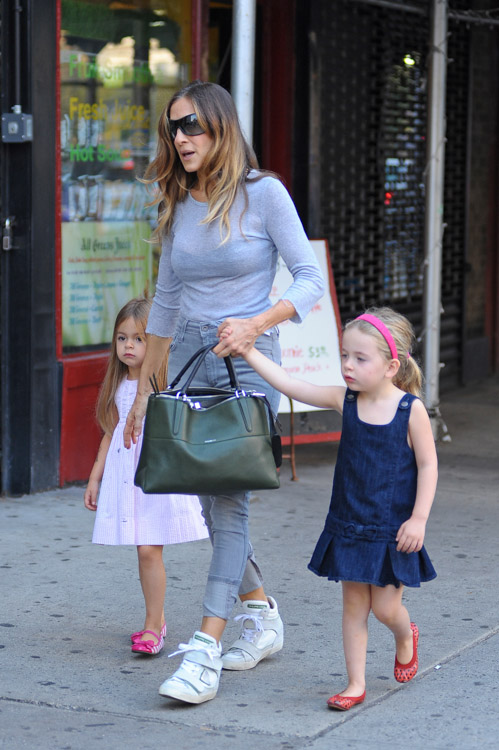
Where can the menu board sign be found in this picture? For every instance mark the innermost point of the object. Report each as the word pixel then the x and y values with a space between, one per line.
pixel 311 350
pixel 104 264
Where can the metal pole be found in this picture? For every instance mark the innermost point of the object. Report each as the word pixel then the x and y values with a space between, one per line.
pixel 17 52
pixel 434 225
pixel 243 62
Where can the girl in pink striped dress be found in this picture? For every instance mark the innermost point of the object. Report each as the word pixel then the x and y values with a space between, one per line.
pixel 124 514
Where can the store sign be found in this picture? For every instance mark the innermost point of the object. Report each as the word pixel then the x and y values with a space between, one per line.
pixel 104 264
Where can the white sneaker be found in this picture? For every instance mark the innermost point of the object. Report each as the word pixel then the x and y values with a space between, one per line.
pixel 197 678
pixel 262 634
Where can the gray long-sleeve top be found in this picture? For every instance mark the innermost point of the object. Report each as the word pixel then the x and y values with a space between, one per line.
pixel 204 280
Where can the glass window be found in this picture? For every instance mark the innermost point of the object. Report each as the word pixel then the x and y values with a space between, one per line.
pixel 119 64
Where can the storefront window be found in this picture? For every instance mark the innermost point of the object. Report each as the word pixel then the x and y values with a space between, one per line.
pixel 119 64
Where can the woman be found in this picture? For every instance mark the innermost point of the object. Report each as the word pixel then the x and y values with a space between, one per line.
pixel 222 223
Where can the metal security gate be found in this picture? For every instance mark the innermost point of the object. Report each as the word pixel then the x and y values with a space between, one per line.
pixel 371 75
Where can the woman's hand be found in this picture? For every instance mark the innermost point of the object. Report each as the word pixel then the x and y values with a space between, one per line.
pixel 90 497
pixel 133 427
pixel 237 336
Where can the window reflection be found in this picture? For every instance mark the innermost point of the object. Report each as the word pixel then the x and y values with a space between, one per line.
pixel 119 64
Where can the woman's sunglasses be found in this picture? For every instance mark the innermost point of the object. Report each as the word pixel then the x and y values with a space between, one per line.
pixel 189 125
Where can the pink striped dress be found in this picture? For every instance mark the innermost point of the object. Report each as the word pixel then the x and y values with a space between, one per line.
pixel 125 515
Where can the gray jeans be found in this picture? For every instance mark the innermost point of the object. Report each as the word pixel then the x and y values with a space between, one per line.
pixel 233 568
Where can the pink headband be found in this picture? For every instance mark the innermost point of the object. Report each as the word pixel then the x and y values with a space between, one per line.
pixel 377 323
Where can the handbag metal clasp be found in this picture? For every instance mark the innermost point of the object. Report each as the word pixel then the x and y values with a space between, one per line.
pixel 192 404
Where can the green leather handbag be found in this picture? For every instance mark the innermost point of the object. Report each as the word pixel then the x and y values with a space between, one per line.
pixel 204 441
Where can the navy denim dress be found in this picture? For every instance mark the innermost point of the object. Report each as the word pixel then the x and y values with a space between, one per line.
pixel 374 491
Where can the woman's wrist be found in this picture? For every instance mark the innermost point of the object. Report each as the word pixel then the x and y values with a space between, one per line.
pixel 278 313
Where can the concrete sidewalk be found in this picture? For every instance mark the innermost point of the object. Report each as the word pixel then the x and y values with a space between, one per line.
pixel 69 681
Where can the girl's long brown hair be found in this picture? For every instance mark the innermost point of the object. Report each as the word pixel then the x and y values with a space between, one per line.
pixel 106 412
pixel 226 166
pixel 409 377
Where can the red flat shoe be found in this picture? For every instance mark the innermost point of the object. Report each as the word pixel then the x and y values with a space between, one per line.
pixel 344 702
pixel 405 672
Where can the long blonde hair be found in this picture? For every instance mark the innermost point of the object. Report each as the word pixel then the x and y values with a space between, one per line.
pixel 409 377
pixel 106 412
pixel 226 166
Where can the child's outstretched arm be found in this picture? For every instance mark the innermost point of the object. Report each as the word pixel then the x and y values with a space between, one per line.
pixel 411 534
pixel 325 397
pixel 92 490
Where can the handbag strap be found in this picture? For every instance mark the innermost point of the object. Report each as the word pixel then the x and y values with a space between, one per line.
pixel 274 423
pixel 234 381
pixel 197 359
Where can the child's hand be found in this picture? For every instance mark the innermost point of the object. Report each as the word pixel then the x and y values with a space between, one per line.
pixel 90 497
pixel 410 536
pixel 236 337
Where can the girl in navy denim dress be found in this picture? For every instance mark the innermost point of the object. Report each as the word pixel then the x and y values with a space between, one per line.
pixel 384 485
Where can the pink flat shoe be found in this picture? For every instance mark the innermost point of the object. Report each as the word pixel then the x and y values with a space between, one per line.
pixel 149 647
pixel 345 702
pixel 405 672
pixel 136 636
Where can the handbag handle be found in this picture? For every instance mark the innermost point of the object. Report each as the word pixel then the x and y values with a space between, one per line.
pixel 200 356
pixel 196 359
